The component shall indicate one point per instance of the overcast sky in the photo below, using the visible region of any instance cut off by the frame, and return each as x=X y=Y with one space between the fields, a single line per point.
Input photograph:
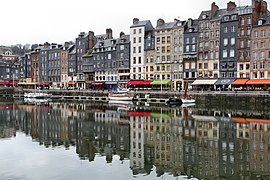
x=35 y=21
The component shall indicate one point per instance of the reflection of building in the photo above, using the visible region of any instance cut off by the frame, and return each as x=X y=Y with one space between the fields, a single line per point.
x=207 y=146
x=137 y=143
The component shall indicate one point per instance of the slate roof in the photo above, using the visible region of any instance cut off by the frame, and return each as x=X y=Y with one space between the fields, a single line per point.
x=147 y=24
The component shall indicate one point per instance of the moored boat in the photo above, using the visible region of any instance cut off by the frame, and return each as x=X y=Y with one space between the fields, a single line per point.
x=121 y=95
x=174 y=101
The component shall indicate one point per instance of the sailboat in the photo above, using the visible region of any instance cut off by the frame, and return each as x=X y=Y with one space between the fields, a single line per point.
x=185 y=99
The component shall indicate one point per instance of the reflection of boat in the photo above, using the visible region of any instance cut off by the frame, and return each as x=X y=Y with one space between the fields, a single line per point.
x=120 y=95
x=37 y=95
x=188 y=105
x=114 y=102
x=35 y=100
x=174 y=101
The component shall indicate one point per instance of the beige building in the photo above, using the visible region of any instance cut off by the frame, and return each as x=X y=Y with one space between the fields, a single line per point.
x=260 y=53
x=208 y=43
x=169 y=52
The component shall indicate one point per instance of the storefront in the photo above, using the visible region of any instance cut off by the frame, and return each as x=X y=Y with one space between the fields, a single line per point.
x=139 y=84
x=111 y=85
x=258 y=84
x=240 y=84
x=161 y=85
x=224 y=84
x=204 y=84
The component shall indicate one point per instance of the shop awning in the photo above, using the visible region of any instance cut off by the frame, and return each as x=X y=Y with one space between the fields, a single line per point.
x=250 y=120
x=97 y=83
x=27 y=83
x=240 y=82
x=258 y=81
x=204 y=82
x=163 y=82
x=7 y=83
x=139 y=82
x=71 y=83
x=161 y=115
x=111 y=82
x=224 y=81
x=134 y=113
x=44 y=83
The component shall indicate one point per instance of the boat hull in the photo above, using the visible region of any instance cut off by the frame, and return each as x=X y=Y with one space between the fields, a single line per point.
x=174 y=101
x=120 y=98
x=188 y=101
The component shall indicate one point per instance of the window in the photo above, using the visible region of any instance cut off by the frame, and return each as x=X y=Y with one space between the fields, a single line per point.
x=225 y=42
x=224 y=55
x=140 y=49
x=134 y=49
x=140 y=31
x=109 y=56
x=232 y=41
x=248 y=31
x=187 y=48
x=242 y=21
x=254 y=65
x=260 y=22
x=140 y=39
x=249 y=20
x=134 y=31
x=255 y=34
x=255 y=55
x=193 y=47
x=263 y=33
x=263 y=55
x=262 y=65
x=200 y=65
x=225 y=29
x=158 y=39
x=242 y=32
x=186 y=65
x=140 y=60
x=122 y=47
x=193 y=65
x=233 y=29
x=205 y=65
x=215 y=66
x=242 y=45
x=232 y=53
x=134 y=40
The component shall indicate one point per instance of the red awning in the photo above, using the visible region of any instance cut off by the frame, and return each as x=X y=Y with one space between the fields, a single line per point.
x=240 y=82
x=71 y=83
x=133 y=113
x=139 y=82
x=258 y=81
x=251 y=120
x=97 y=83
x=7 y=83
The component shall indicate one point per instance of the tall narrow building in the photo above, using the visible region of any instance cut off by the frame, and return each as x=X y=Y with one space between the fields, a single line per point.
x=138 y=44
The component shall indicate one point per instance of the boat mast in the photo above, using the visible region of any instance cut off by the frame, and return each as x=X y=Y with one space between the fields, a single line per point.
x=185 y=88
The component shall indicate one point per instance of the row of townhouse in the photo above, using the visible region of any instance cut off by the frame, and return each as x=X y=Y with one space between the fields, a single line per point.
x=221 y=44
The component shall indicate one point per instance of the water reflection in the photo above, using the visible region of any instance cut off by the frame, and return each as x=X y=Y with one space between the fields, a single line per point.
x=188 y=141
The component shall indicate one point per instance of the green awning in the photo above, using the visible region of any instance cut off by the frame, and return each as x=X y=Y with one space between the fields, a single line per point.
x=163 y=82
x=161 y=115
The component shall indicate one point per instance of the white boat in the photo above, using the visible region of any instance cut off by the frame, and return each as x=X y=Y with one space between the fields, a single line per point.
x=121 y=95
x=36 y=100
x=37 y=95
x=188 y=101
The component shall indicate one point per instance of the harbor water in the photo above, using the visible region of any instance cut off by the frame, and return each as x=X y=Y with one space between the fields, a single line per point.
x=101 y=140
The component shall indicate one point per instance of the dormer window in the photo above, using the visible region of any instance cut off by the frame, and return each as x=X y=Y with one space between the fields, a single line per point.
x=226 y=18
x=260 y=22
x=204 y=16
x=190 y=30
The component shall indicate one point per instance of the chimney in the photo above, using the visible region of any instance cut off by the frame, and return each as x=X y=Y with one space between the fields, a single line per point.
x=135 y=20
x=264 y=8
x=122 y=34
x=160 y=22
x=214 y=9
x=231 y=6
x=189 y=22
x=46 y=45
x=91 y=39
x=109 y=33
